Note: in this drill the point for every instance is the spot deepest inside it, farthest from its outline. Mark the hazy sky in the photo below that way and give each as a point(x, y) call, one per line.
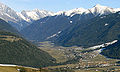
point(57, 5)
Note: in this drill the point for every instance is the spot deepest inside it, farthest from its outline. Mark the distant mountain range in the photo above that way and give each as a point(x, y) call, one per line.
point(68, 28)
point(35, 14)
point(25, 18)
point(11, 16)
point(95, 31)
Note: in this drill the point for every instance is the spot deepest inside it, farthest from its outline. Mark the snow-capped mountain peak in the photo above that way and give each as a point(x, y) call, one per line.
point(3, 7)
point(11, 16)
point(75, 11)
point(71, 12)
point(35, 14)
point(5, 10)
point(96, 10)
point(101, 10)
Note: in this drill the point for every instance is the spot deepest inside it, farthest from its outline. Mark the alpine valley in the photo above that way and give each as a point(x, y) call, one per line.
point(77, 40)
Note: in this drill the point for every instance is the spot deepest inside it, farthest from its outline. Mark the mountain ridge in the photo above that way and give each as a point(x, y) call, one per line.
point(47, 27)
point(95, 31)
point(24, 18)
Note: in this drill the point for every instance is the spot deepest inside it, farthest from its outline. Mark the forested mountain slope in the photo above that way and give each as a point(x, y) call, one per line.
point(95, 31)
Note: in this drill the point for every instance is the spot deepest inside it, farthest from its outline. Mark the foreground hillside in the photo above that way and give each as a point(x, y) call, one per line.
point(16, 50)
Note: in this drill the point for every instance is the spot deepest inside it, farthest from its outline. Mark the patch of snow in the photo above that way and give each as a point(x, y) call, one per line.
point(103, 45)
point(105, 64)
point(109, 43)
point(59, 32)
point(102, 16)
point(54, 35)
point(7, 65)
point(106, 24)
point(71, 21)
point(18, 69)
point(99, 51)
